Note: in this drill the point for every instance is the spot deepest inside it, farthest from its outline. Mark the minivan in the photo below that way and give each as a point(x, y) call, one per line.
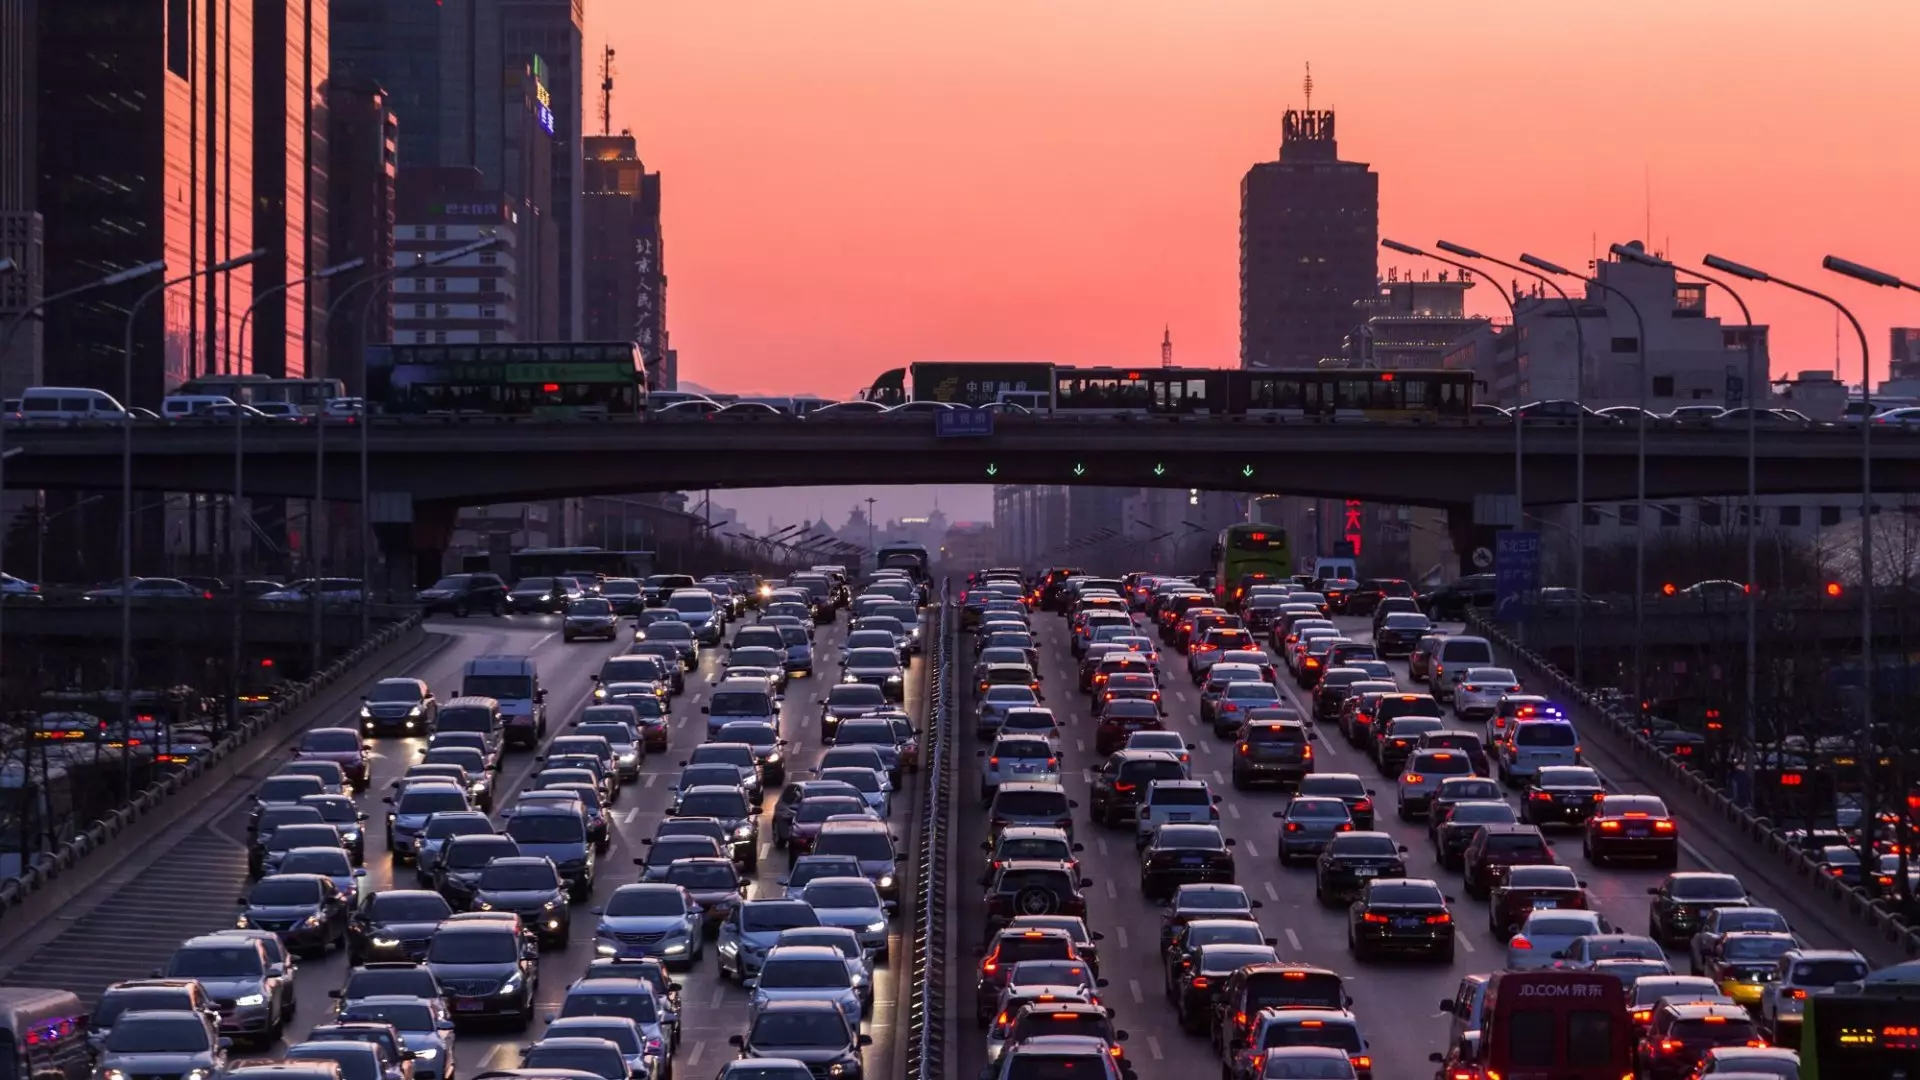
point(559, 832)
point(513, 682)
point(478, 715)
point(1534, 743)
point(181, 406)
point(740, 699)
point(44, 404)
point(1451, 661)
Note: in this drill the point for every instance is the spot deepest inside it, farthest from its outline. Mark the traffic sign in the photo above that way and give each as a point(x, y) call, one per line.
point(1483, 557)
point(1079, 469)
point(992, 468)
point(962, 423)
point(1159, 469)
point(1246, 470)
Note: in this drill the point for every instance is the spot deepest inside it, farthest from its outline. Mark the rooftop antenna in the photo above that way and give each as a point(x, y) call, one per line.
point(1166, 347)
point(606, 92)
point(1309, 85)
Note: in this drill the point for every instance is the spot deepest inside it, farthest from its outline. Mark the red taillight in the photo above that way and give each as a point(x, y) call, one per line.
point(1519, 942)
point(1541, 796)
point(1306, 753)
point(1610, 826)
point(1311, 662)
point(1413, 778)
point(1372, 918)
point(1348, 827)
point(1670, 1046)
point(1361, 1061)
point(1246, 748)
point(1797, 994)
point(1643, 1016)
point(1836, 871)
point(1757, 1042)
point(1439, 920)
point(1363, 805)
point(1513, 689)
point(994, 761)
point(1293, 826)
point(1470, 688)
point(1199, 982)
point(1053, 763)
point(1119, 786)
point(1663, 826)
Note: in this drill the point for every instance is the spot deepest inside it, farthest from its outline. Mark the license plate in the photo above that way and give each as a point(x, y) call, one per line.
point(1538, 904)
point(1636, 832)
point(468, 1005)
point(1571, 800)
point(1365, 871)
point(1405, 924)
point(1191, 860)
point(1179, 817)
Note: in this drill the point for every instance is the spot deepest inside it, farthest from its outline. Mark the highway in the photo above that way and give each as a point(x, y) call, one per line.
point(128, 924)
point(1396, 1001)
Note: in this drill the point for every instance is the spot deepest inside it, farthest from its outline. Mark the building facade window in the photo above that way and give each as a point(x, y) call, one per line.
point(419, 311)
point(1669, 515)
point(1629, 513)
point(439, 284)
point(439, 337)
point(1789, 517)
point(1829, 515)
point(1626, 345)
point(419, 232)
point(1663, 386)
point(439, 232)
point(1710, 514)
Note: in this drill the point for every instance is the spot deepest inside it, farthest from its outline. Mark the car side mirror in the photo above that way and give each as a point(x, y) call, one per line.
point(1086, 883)
point(242, 901)
point(1449, 899)
point(1231, 841)
point(1437, 1058)
point(1255, 904)
point(1582, 884)
point(1096, 935)
point(1280, 813)
point(706, 710)
point(1653, 890)
point(1078, 847)
point(737, 1041)
point(277, 970)
point(1073, 804)
point(1369, 791)
point(1216, 800)
point(1403, 851)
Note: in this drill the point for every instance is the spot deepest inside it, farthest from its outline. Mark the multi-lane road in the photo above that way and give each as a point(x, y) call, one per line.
point(128, 923)
point(1396, 1001)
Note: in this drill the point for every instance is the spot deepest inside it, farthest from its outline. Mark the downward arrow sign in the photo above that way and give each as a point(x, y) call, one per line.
point(1079, 469)
point(1159, 470)
point(991, 469)
point(1246, 470)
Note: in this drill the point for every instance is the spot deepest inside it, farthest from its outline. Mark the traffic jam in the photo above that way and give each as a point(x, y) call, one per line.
point(751, 935)
point(1307, 834)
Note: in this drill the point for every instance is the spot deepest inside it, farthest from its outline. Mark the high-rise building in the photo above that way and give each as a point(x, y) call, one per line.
point(1309, 241)
point(290, 65)
point(398, 44)
point(474, 299)
point(146, 135)
point(553, 30)
point(20, 225)
point(363, 143)
point(625, 283)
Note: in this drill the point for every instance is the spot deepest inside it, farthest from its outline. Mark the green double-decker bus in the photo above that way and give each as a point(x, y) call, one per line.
point(565, 378)
point(1247, 555)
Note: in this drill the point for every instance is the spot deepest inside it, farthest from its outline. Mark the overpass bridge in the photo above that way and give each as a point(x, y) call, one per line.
point(424, 469)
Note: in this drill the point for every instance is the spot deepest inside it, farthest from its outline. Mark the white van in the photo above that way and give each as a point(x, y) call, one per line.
point(181, 406)
point(1451, 662)
point(1334, 568)
point(1530, 746)
point(514, 682)
point(50, 404)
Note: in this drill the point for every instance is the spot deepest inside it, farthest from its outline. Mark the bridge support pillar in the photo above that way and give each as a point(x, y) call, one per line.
point(413, 539)
point(1473, 543)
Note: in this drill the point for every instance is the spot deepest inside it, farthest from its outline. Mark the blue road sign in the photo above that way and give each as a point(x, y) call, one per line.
point(1516, 574)
point(962, 423)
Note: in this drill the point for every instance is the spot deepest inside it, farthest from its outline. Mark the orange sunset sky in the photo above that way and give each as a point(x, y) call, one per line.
point(852, 185)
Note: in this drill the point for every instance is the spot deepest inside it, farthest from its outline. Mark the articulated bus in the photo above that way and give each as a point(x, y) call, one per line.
point(1246, 555)
point(1555, 1025)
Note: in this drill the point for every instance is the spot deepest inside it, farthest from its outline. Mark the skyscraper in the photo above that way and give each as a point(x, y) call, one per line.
point(146, 134)
point(625, 281)
point(20, 225)
point(1309, 242)
point(290, 64)
point(398, 44)
point(553, 31)
point(363, 149)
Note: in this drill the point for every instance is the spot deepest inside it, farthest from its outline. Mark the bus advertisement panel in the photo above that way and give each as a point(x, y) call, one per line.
point(1861, 1037)
point(1555, 1025)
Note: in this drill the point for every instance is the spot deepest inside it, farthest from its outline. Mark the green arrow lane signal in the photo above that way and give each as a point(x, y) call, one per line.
point(1079, 469)
point(1246, 470)
point(992, 468)
point(1159, 470)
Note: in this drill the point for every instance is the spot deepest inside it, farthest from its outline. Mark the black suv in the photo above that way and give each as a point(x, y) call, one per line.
point(1034, 887)
point(1271, 752)
point(463, 594)
point(1124, 777)
point(1451, 601)
point(1184, 854)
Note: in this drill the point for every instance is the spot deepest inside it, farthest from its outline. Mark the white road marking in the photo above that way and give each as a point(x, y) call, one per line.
point(1465, 941)
point(1120, 932)
point(719, 994)
point(1138, 997)
point(635, 812)
point(1112, 893)
point(543, 641)
point(693, 1057)
point(1249, 849)
point(1272, 893)
point(1101, 843)
point(1153, 1048)
point(651, 777)
point(1293, 940)
point(1234, 809)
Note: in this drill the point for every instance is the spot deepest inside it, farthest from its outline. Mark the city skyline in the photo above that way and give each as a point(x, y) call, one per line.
point(869, 185)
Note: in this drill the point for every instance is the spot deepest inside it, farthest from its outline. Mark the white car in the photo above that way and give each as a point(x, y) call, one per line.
point(1800, 972)
point(1039, 722)
point(1172, 801)
point(1018, 758)
point(1479, 693)
point(1543, 939)
point(996, 702)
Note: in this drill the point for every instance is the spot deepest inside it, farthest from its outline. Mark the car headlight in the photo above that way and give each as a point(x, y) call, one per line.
point(886, 881)
point(512, 985)
point(742, 832)
point(729, 948)
point(848, 677)
point(426, 1055)
point(383, 942)
point(876, 926)
point(112, 1074)
point(629, 757)
point(195, 1074)
point(483, 905)
point(599, 693)
point(893, 678)
point(550, 905)
point(247, 1000)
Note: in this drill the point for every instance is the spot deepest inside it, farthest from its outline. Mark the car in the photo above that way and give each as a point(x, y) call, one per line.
point(1337, 1029)
point(1399, 633)
point(486, 970)
point(1086, 1056)
point(398, 706)
point(1455, 826)
point(1544, 936)
point(342, 746)
point(145, 995)
point(1743, 962)
point(1562, 795)
point(1394, 915)
point(813, 814)
point(1495, 850)
point(1120, 720)
point(575, 1041)
point(1681, 1034)
point(1799, 973)
point(1348, 788)
point(589, 617)
point(1479, 692)
point(1353, 859)
point(461, 595)
point(1514, 709)
point(1086, 943)
point(751, 930)
point(530, 887)
point(1309, 824)
point(1203, 981)
point(712, 882)
point(1277, 752)
point(1333, 690)
point(1717, 923)
point(1648, 992)
point(1533, 888)
point(1421, 777)
point(307, 910)
point(1017, 758)
point(1681, 903)
point(1211, 900)
point(1397, 737)
point(1122, 779)
point(417, 1026)
point(1172, 801)
point(1453, 790)
point(1420, 660)
point(852, 903)
point(1631, 826)
point(1182, 854)
point(1749, 1063)
point(995, 702)
point(1006, 948)
point(1033, 887)
point(655, 919)
point(1031, 1013)
point(806, 973)
point(162, 1042)
point(1586, 952)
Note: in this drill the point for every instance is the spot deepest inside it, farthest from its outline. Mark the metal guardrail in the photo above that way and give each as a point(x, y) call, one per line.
point(926, 996)
point(46, 866)
point(1616, 722)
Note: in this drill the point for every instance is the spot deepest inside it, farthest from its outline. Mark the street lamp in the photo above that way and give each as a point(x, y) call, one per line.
point(1854, 270)
point(126, 493)
point(1640, 463)
point(131, 273)
point(1639, 255)
point(1866, 753)
point(1579, 434)
point(1513, 314)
